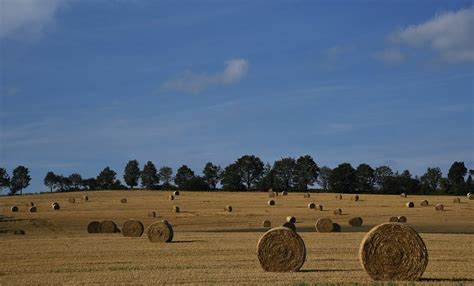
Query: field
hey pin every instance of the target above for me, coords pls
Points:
(212, 246)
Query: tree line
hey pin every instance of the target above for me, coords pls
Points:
(249, 173)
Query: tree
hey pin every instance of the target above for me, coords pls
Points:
(430, 181)
(76, 181)
(343, 179)
(381, 174)
(150, 179)
(250, 169)
(285, 171)
(195, 183)
(4, 179)
(231, 178)
(183, 175)
(212, 175)
(323, 178)
(131, 174)
(90, 184)
(63, 183)
(50, 181)
(306, 172)
(268, 179)
(106, 179)
(456, 178)
(365, 178)
(166, 175)
(20, 179)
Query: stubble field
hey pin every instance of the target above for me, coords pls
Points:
(212, 246)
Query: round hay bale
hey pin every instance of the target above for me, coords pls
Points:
(228, 209)
(319, 208)
(337, 212)
(108, 226)
(291, 219)
(457, 200)
(32, 209)
(356, 221)
(336, 227)
(311, 206)
(410, 205)
(176, 193)
(85, 198)
(402, 219)
(403, 195)
(271, 195)
(19, 232)
(424, 203)
(55, 206)
(470, 196)
(284, 193)
(356, 198)
(289, 225)
(306, 196)
(30, 204)
(132, 228)
(72, 200)
(439, 207)
(152, 214)
(123, 201)
(324, 225)
(338, 197)
(281, 250)
(93, 227)
(394, 252)
(270, 190)
(267, 223)
(393, 219)
(160, 231)
(271, 203)
(175, 209)
(14, 209)
(170, 197)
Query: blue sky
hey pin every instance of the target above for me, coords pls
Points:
(88, 84)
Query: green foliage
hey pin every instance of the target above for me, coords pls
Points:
(381, 174)
(131, 174)
(50, 180)
(365, 177)
(106, 179)
(231, 178)
(284, 174)
(323, 178)
(212, 175)
(183, 176)
(456, 178)
(20, 179)
(4, 179)
(149, 176)
(343, 179)
(250, 169)
(306, 172)
(166, 176)
(430, 181)
(268, 179)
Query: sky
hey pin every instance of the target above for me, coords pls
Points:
(89, 84)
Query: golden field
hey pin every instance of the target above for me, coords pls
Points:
(212, 246)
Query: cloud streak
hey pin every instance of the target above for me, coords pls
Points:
(191, 82)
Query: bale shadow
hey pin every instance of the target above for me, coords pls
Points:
(447, 279)
(327, 270)
(186, 241)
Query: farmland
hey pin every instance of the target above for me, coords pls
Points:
(212, 246)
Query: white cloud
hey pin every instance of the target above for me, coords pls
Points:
(391, 56)
(450, 34)
(235, 70)
(27, 16)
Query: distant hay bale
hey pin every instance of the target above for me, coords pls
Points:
(439, 207)
(393, 219)
(108, 226)
(123, 201)
(284, 193)
(336, 227)
(470, 196)
(403, 195)
(267, 223)
(271, 195)
(306, 196)
(160, 231)
(355, 198)
(271, 202)
(319, 208)
(393, 252)
(152, 214)
(289, 225)
(324, 225)
(132, 228)
(410, 205)
(72, 200)
(55, 206)
(18, 232)
(337, 212)
(355, 221)
(93, 227)
(175, 209)
(228, 209)
(281, 250)
(85, 198)
(457, 200)
(270, 190)
(176, 193)
(424, 203)
(311, 206)
(32, 209)
(170, 197)
(402, 219)
(338, 197)
(14, 209)
(291, 219)
(30, 204)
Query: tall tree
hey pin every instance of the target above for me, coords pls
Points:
(381, 174)
(212, 174)
(50, 181)
(131, 174)
(150, 179)
(20, 179)
(166, 175)
(285, 173)
(268, 179)
(306, 172)
(343, 179)
(431, 179)
(183, 175)
(106, 179)
(251, 169)
(365, 178)
(4, 179)
(231, 178)
(456, 178)
(76, 181)
(323, 178)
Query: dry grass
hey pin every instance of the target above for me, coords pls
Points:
(210, 247)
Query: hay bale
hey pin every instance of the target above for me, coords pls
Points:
(289, 225)
(228, 209)
(170, 197)
(457, 200)
(85, 198)
(175, 209)
(132, 228)
(72, 200)
(410, 205)
(324, 225)
(152, 214)
(336, 227)
(284, 193)
(337, 212)
(267, 223)
(270, 190)
(470, 196)
(291, 219)
(30, 204)
(271, 203)
(319, 208)
(311, 206)
(160, 231)
(93, 227)
(123, 201)
(338, 197)
(402, 219)
(14, 209)
(55, 206)
(32, 209)
(19, 232)
(403, 195)
(424, 203)
(108, 226)
(393, 219)
(439, 207)
(393, 252)
(355, 221)
(176, 193)
(271, 195)
(281, 250)
(355, 198)
(306, 196)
